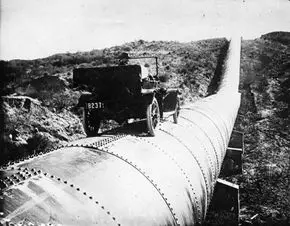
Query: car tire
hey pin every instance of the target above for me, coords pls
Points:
(91, 124)
(152, 117)
(176, 112)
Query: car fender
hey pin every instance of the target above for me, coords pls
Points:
(84, 98)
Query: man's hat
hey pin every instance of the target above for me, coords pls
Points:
(124, 56)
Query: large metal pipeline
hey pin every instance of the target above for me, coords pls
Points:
(127, 178)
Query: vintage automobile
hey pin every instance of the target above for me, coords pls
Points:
(123, 92)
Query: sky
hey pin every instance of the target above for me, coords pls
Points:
(31, 29)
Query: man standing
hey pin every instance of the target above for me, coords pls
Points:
(124, 59)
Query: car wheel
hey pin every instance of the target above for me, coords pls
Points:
(176, 112)
(91, 123)
(152, 117)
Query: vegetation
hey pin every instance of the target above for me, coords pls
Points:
(264, 117)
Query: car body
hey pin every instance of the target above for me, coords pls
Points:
(120, 93)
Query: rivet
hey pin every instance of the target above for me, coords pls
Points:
(114, 218)
(102, 207)
(90, 197)
(108, 212)
(65, 182)
(78, 189)
(35, 173)
(45, 174)
(39, 171)
(97, 202)
(85, 193)
(71, 185)
(58, 179)
(51, 176)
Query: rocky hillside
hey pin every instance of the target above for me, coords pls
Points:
(39, 103)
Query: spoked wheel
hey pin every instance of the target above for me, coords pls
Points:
(176, 112)
(91, 123)
(153, 116)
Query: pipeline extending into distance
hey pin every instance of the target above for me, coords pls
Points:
(126, 178)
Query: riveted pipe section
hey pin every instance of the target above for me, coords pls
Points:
(128, 178)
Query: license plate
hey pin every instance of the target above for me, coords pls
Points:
(95, 105)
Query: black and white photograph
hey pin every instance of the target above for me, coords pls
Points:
(145, 112)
